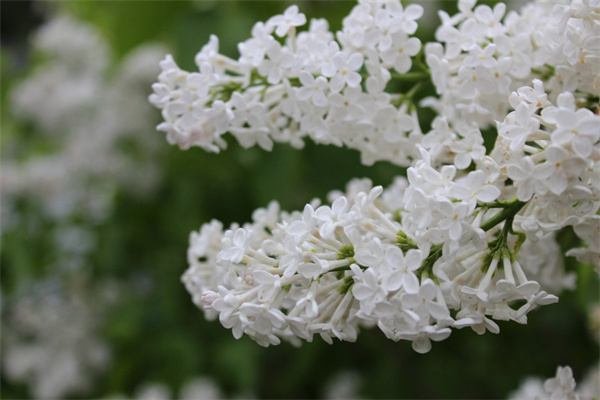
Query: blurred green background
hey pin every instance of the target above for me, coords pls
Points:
(156, 333)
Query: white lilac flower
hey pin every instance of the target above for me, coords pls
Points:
(200, 388)
(515, 49)
(562, 386)
(367, 289)
(399, 54)
(84, 119)
(343, 386)
(281, 85)
(401, 270)
(589, 230)
(469, 238)
(577, 128)
(50, 336)
(280, 60)
(358, 253)
(313, 89)
(346, 67)
(290, 18)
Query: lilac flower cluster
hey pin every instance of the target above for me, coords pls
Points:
(468, 238)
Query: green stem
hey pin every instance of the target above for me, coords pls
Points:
(408, 97)
(411, 76)
(419, 61)
(508, 212)
(413, 90)
(426, 269)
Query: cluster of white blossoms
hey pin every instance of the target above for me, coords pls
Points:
(50, 337)
(86, 143)
(341, 386)
(331, 269)
(482, 55)
(199, 388)
(468, 238)
(562, 386)
(76, 142)
(287, 86)
(89, 123)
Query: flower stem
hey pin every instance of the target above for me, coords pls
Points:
(507, 212)
(411, 76)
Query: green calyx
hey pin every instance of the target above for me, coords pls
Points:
(346, 252)
(426, 269)
(404, 242)
(347, 284)
(545, 72)
(499, 247)
(224, 92)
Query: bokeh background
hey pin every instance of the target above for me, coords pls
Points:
(97, 209)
